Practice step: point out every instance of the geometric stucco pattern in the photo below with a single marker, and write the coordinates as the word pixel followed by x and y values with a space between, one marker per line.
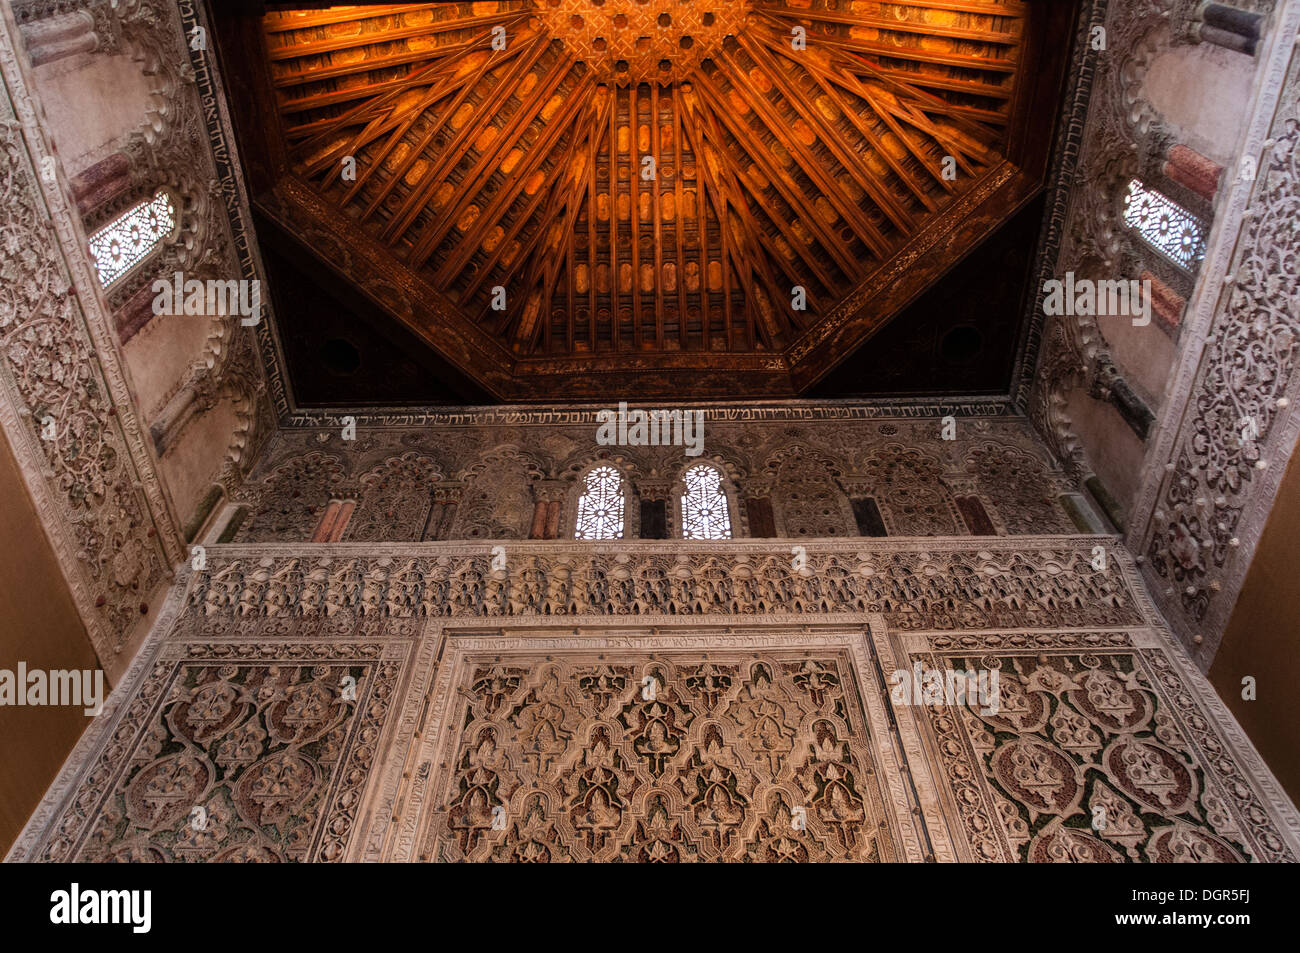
pixel 64 401
pixel 236 760
pixel 340 728
pixel 1104 749
pixel 642 749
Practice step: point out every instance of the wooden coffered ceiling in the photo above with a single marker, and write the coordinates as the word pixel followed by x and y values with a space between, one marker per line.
pixel 590 199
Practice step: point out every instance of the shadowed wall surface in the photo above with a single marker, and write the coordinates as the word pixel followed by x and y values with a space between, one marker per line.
pixel 38 625
pixel 1261 641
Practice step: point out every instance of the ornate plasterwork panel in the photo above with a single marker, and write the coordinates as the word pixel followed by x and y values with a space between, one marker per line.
pixel 760 713
pixel 947 584
pixel 253 750
pixel 907 485
pixel 506 461
pixel 1218 460
pixel 394 500
pixel 1019 485
pixel 806 495
pixel 688 747
pixel 289 502
pixel 496 502
pixel 238 761
pixel 1107 747
pixel 65 403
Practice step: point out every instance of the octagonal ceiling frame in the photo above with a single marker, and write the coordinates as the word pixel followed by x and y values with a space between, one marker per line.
pixel 783 372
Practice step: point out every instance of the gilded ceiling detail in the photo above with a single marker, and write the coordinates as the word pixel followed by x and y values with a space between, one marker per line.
pixel 635 41
pixel 628 179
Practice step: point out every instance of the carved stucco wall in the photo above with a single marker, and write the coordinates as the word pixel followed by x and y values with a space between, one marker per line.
pixel 197 379
pixel 495 466
pixel 1194 494
pixel 146 424
pixel 1215 464
pixel 293 619
pixel 474 690
pixel 1148 90
pixel 95 484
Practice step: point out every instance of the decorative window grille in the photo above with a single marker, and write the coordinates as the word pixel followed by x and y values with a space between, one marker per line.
pixel 1164 225
pixel 600 508
pixel 131 237
pixel 704 505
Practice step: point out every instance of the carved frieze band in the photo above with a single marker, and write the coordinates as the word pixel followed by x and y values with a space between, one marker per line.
pixel 938 584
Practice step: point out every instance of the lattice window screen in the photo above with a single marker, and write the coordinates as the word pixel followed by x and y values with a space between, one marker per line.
pixel 1164 225
pixel 600 508
pixel 704 505
pixel 130 238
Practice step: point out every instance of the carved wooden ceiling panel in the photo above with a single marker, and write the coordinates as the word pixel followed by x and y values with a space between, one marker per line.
pixel 626 194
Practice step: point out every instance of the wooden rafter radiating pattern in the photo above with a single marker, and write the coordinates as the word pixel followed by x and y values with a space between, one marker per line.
pixel 522 169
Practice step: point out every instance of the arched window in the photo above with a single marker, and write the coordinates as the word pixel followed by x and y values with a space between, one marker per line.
pixel 704 505
pixel 600 508
pixel 131 237
pixel 1164 225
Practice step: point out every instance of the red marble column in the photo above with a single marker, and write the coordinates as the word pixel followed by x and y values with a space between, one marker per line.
pixel 540 509
pixel 1188 167
pixel 101 182
pixel 1166 304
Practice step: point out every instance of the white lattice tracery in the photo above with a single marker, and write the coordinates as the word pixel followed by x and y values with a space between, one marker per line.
pixel 704 505
pixel 600 508
pixel 1167 227
pixel 127 240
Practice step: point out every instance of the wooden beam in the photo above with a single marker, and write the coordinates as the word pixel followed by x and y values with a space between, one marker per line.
pixel 654 213
pixel 287 22
pixel 506 196
pixel 614 319
pixel 680 261
pixel 779 177
pixel 725 193
pixel 634 211
pixel 418 149
pixel 849 211
pixel 999 37
pixel 453 152
pixel 825 80
pixel 914 54
pixel 830 137
pixel 478 174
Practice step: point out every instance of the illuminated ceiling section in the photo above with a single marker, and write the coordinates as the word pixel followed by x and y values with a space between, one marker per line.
pixel 638 189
